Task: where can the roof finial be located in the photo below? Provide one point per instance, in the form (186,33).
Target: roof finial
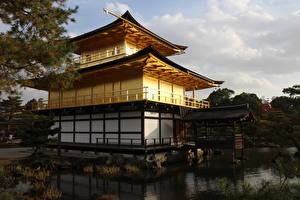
(106,11)
(175,48)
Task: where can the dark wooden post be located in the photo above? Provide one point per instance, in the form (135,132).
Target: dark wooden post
(233,138)
(59,136)
(196,143)
(143,127)
(206,152)
(243,145)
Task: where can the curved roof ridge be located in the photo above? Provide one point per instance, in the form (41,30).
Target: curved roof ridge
(172,63)
(127,15)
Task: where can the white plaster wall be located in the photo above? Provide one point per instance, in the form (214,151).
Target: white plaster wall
(131,125)
(177,116)
(124,138)
(82,126)
(97,116)
(166,128)
(97,125)
(166,115)
(151,129)
(151,114)
(66,126)
(66,137)
(82,138)
(67,117)
(95,136)
(111,115)
(82,116)
(111,125)
(130,114)
(113,138)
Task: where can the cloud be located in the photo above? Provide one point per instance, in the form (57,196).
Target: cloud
(296,13)
(118,7)
(249,46)
(240,5)
(72,34)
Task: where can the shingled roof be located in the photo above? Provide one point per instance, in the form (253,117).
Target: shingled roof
(119,21)
(227,113)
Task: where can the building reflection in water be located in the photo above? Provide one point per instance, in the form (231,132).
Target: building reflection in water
(180,185)
(200,182)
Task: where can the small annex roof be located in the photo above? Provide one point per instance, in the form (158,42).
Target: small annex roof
(221,114)
(131,30)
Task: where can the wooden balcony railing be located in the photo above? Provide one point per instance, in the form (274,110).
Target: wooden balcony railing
(129,95)
(100,57)
(133,142)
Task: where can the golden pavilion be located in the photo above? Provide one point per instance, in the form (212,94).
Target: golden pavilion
(130,96)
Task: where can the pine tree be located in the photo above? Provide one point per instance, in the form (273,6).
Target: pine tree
(10,109)
(35,44)
(35,130)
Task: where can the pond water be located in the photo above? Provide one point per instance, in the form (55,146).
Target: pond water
(177,183)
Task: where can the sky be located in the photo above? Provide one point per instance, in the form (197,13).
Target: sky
(252,45)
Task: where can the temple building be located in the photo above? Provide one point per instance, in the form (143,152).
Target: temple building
(130,96)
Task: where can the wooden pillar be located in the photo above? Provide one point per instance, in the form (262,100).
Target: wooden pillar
(172,95)
(74,125)
(119,128)
(158,89)
(242,134)
(90,134)
(206,152)
(195,131)
(59,98)
(76,94)
(174,127)
(59,136)
(196,143)
(92,95)
(194,101)
(142,127)
(159,125)
(234,150)
(104,128)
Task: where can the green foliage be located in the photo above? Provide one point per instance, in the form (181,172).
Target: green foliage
(248,98)
(292,91)
(287,104)
(10,107)
(39,160)
(220,97)
(285,166)
(7,196)
(266,190)
(35,130)
(35,44)
(30,104)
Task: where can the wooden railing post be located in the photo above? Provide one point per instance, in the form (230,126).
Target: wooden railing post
(146,92)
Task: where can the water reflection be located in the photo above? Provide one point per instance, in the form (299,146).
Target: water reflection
(179,182)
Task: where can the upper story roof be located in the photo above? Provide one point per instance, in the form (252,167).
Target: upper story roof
(148,61)
(157,65)
(126,27)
